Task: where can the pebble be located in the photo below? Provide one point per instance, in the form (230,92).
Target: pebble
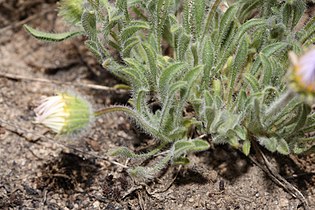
(241,164)
(196,205)
(213,176)
(100,120)
(96,204)
(283,202)
(190,200)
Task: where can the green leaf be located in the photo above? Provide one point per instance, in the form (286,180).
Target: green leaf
(199,145)
(182,46)
(151,57)
(181,161)
(269,50)
(302,117)
(192,74)
(208,55)
(254,115)
(187,16)
(246,147)
(199,12)
(304,150)
(267,69)
(123,152)
(226,24)
(93,48)
(191,78)
(241,132)
(247,8)
(240,101)
(252,81)
(232,138)
(122,5)
(141,100)
(283,147)
(94,3)
(270,143)
(149,172)
(111,22)
(230,48)
(167,102)
(161,14)
(308,31)
(184,146)
(249,25)
(88,20)
(211,15)
(129,44)
(168,75)
(52,37)
(181,147)
(238,63)
(132,28)
(132,76)
(209,116)
(292,13)
(287,110)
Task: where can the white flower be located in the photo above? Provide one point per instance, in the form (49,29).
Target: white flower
(303,73)
(64,113)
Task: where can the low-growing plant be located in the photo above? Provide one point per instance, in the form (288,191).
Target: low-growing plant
(218,72)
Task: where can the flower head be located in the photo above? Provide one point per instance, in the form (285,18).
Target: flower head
(64,113)
(71,10)
(303,72)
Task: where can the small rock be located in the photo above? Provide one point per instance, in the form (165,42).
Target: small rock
(94,145)
(190,200)
(96,204)
(2,130)
(283,202)
(213,176)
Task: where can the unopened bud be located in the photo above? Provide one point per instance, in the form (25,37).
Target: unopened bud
(64,113)
(303,72)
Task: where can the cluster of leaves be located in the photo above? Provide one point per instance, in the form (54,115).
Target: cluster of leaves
(210,69)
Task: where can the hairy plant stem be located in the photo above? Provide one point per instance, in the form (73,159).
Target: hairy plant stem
(140,120)
(280,103)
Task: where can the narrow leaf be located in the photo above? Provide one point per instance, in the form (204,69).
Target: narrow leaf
(52,37)
(283,147)
(88,20)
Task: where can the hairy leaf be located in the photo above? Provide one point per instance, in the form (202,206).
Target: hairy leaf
(52,37)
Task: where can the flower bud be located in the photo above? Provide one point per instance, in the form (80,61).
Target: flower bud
(64,113)
(71,10)
(303,72)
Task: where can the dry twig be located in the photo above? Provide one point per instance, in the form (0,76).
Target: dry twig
(92,86)
(30,18)
(277,178)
